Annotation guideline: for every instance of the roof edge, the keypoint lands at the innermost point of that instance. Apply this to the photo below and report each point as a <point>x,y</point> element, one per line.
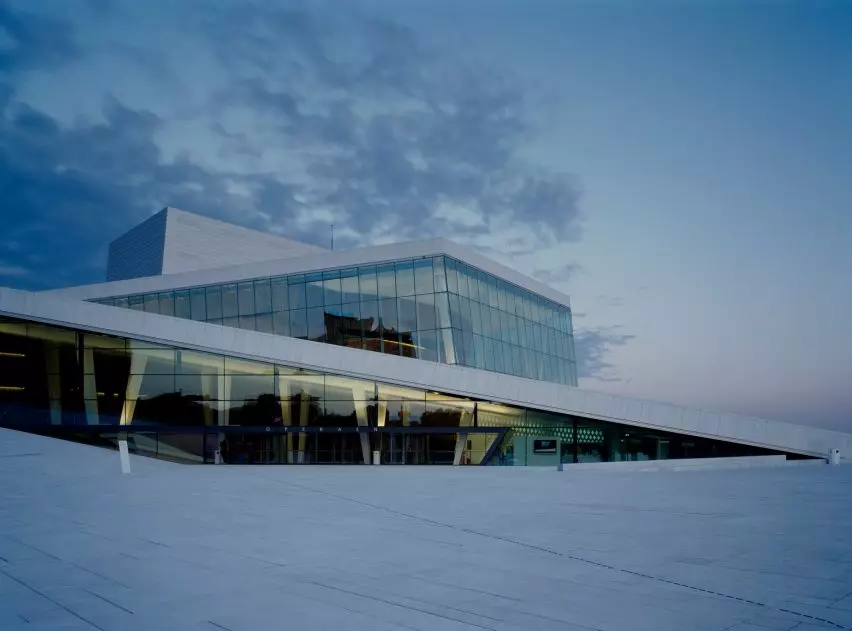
<point>319,261</point>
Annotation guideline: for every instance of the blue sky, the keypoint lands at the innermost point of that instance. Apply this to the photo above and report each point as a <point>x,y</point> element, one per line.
<point>681,168</point>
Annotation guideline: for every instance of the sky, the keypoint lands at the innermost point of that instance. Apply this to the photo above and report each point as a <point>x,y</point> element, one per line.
<point>682,169</point>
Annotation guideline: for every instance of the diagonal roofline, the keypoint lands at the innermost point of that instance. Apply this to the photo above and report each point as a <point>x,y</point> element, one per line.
<point>460,380</point>
<point>313,263</point>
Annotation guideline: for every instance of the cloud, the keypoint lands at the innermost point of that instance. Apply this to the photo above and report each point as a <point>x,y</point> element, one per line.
<point>609,301</point>
<point>377,132</point>
<point>593,346</point>
<point>28,40</point>
<point>389,131</point>
<point>70,190</point>
<point>318,115</point>
<point>14,271</point>
<point>558,274</point>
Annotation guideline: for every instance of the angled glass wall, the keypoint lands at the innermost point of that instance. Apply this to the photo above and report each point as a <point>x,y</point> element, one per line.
<point>192,406</point>
<point>434,309</point>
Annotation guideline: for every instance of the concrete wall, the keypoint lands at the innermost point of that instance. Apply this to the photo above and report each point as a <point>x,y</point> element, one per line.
<point>471,382</point>
<point>174,241</point>
<point>139,251</point>
<point>194,242</point>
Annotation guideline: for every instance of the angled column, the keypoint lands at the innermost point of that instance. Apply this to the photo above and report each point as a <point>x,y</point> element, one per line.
<point>363,421</point>
<point>54,386</point>
<point>465,420</point>
<point>282,444</point>
<point>223,391</point>
<point>207,382</point>
<point>461,440</point>
<point>90,389</point>
<point>138,362</point>
<point>304,411</point>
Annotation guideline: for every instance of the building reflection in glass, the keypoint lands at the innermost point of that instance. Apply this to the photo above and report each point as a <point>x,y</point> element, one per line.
<point>186,405</point>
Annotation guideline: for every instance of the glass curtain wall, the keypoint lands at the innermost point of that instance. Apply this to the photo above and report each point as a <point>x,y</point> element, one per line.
<point>433,309</point>
<point>187,405</point>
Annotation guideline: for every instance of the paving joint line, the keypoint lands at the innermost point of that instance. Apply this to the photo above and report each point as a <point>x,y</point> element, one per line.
<point>557,553</point>
<point>55,602</point>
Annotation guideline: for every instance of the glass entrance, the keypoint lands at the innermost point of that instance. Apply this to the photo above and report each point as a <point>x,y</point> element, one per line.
<point>411,448</point>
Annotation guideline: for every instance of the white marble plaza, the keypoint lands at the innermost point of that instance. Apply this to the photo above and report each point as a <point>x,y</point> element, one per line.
<point>179,547</point>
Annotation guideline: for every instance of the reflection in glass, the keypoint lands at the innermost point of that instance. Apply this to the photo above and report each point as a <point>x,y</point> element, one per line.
<point>214,303</point>
<point>404,278</point>
<point>281,323</point>
<point>152,303</point>
<point>313,290</point>
<point>331,288</point>
<point>426,319</point>
<point>229,301</point>
<point>389,317</point>
<point>452,278</point>
<point>245,293</point>
<point>247,322</point>
<point>349,285</point>
<point>262,296</point>
<point>299,323</point>
<point>367,281</point>
<point>461,276</point>
<point>442,308</point>
<point>440,276</point>
<point>469,306</point>
<point>182,304</point>
<point>167,304</point>
<point>296,295</point>
<point>280,296</point>
<point>446,347</point>
<point>407,313</point>
<point>478,351</point>
<point>464,314</point>
<point>427,345</point>
<point>316,324</point>
<point>58,378</point>
<point>386,281</point>
<point>252,387</point>
<point>294,383</point>
<point>263,323</point>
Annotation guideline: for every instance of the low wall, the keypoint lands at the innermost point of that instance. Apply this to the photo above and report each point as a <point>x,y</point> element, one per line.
<point>745,462</point>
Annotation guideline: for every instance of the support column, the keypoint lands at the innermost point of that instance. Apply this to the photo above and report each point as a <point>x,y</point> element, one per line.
<point>465,420</point>
<point>576,444</point>
<point>383,413</point>
<point>138,361</point>
<point>363,421</point>
<point>304,411</point>
<point>461,442</point>
<point>284,443</point>
<point>209,402</point>
<point>223,393</point>
<point>54,386</point>
<point>90,389</point>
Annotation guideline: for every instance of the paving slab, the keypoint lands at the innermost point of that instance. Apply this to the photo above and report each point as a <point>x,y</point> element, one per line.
<point>174,546</point>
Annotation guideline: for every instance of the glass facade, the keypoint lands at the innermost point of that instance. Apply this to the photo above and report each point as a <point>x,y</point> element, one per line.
<point>189,406</point>
<point>433,309</point>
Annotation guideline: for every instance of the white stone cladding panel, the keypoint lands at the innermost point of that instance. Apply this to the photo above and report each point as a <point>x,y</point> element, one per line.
<point>139,251</point>
<point>193,242</point>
